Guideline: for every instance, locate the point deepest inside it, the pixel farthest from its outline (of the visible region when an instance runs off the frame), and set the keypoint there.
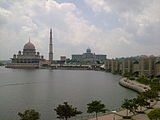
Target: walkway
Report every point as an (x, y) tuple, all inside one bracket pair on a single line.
[(118, 115)]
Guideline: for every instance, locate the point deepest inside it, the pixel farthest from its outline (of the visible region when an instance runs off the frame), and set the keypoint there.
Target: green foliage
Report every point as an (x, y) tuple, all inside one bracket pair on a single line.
[(1, 64), (155, 87), (66, 111), (108, 70), (128, 75), (117, 72), (131, 78), (141, 101), (154, 114), (155, 80), (142, 79), (150, 94), (29, 115), (68, 61), (130, 104), (96, 107)]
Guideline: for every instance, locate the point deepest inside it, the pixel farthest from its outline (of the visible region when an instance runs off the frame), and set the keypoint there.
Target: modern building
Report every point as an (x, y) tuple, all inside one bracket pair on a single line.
[(143, 65), (28, 58), (157, 68), (88, 55)]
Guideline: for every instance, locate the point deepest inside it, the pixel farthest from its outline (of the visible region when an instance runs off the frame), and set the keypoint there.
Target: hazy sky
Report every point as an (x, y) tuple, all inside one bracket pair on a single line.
[(113, 27)]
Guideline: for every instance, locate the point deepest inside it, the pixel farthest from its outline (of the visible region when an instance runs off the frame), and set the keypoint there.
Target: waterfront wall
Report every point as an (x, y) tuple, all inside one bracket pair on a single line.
[(133, 85), (22, 65)]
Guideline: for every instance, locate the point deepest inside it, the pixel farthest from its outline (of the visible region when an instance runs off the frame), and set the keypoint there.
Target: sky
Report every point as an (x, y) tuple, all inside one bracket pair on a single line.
[(117, 28)]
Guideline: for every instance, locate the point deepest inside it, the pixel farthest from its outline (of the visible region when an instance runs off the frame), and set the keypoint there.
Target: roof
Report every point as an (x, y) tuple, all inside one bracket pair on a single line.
[(29, 45)]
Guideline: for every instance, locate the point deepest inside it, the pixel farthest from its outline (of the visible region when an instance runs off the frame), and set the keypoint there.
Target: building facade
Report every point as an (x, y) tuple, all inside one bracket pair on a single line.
[(143, 65), (88, 55), (28, 58)]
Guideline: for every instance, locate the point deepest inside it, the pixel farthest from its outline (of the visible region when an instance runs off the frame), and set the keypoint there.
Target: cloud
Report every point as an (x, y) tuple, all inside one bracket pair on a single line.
[(99, 5), (22, 19), (139, 18), (137, 32)]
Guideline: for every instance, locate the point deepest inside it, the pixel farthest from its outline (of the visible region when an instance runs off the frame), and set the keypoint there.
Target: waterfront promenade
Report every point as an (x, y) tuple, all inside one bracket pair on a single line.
[(118, 115), (134, 86)]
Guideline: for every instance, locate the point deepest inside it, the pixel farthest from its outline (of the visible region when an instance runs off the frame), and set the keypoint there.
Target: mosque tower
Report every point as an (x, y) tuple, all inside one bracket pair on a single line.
[(50, 47)]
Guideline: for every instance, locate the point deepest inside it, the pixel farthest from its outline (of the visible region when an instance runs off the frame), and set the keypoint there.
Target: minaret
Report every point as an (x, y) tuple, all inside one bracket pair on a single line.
[(50, 47)]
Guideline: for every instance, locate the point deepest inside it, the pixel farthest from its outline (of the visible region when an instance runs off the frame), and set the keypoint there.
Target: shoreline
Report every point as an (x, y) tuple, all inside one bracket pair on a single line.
[(129, 84), (133, 85)]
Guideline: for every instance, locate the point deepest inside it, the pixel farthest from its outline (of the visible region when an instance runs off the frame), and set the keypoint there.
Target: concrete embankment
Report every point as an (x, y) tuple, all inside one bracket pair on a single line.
[(133, 85)]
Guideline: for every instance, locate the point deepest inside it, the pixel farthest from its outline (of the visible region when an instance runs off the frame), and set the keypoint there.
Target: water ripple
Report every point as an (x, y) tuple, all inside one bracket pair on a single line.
[(15, 84)]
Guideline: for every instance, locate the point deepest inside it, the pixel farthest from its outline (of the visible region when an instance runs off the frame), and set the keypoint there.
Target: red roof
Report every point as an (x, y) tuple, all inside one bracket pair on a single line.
[(29, 45)]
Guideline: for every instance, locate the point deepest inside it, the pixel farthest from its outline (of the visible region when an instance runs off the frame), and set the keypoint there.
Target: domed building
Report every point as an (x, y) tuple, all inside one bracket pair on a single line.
[(28, 58), (88, 55), (88, 50)]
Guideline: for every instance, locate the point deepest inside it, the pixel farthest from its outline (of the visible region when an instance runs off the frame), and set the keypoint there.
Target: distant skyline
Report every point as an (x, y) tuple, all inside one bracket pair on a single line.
[(117, 28)]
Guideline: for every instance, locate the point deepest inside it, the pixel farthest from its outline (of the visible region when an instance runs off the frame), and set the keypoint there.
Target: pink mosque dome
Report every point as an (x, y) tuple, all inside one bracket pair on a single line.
[(29, 45)]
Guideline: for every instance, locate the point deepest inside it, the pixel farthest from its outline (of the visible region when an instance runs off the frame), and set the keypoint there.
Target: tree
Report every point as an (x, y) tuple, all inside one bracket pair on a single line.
[(155, 80), (151, 94), (29, 115), (126, 105), (96, 107), (130, 105), (66, 111), (154, 114), (141, 101), (142, 79)]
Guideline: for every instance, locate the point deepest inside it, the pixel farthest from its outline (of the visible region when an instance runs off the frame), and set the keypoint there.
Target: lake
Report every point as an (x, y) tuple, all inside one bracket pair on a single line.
[(43, 90)]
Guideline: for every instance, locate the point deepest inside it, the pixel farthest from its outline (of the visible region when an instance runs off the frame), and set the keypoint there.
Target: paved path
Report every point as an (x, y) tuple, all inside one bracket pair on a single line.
[(108, 117), (144, 116), (123, 112), (112, 116)]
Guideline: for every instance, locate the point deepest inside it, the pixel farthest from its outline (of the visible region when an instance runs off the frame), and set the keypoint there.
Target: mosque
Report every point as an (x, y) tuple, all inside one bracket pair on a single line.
[(29, 58)]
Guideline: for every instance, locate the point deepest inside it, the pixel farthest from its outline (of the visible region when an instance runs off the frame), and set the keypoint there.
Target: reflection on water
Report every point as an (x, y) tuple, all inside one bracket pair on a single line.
[(44, 89)]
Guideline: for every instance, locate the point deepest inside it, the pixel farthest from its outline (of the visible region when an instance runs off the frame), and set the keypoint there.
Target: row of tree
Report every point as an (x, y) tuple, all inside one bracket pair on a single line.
[(65, 111), (143, 79), (142, 100), (153, 82)]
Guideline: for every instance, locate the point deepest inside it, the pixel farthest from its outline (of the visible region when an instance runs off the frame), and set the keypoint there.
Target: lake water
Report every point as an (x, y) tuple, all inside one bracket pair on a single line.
[(43, 90)]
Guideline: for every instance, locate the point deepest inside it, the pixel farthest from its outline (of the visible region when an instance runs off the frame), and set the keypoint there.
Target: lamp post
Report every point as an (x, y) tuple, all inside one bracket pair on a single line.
[(114, 117)]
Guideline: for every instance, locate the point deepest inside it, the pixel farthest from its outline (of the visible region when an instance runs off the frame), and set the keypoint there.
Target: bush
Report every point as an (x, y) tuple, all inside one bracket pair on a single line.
[(142, 79), (154, 114), (132, 78)]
